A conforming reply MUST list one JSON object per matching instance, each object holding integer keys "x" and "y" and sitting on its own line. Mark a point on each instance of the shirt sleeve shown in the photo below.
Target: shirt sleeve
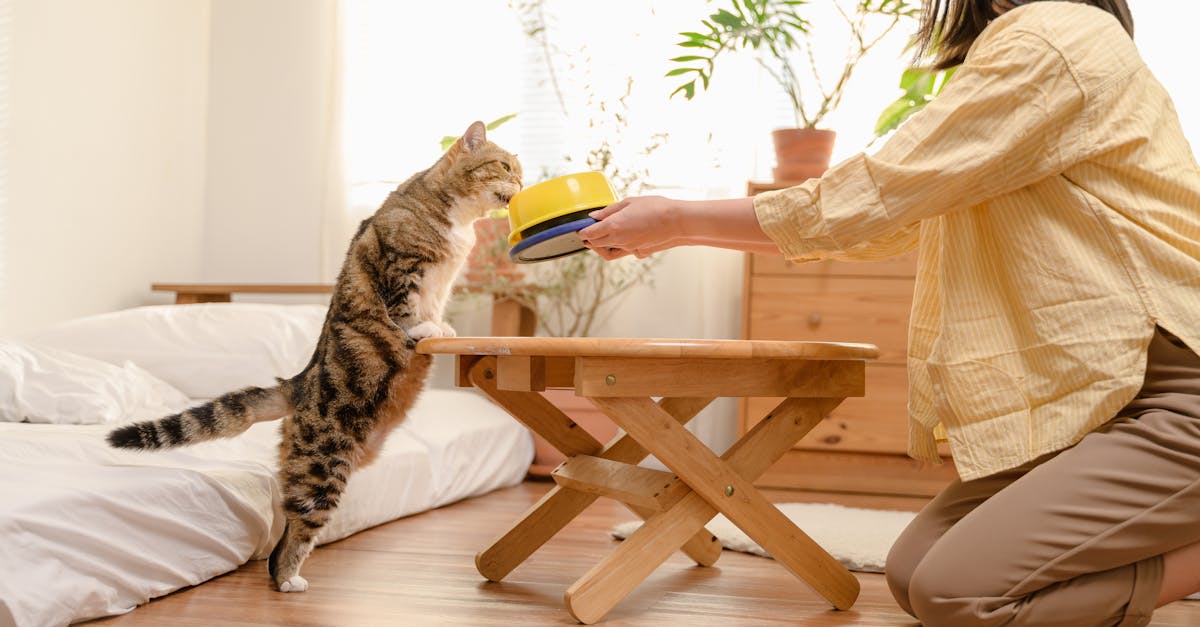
{"x": 1012, "y": 115}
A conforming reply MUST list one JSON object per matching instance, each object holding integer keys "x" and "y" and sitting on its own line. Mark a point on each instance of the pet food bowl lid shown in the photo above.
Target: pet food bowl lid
{"x": 557, "y": 241}
{"x": 556, "y": 202}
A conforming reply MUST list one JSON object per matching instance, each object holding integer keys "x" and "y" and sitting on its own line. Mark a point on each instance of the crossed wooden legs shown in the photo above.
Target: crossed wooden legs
{"x": 560, "y": 505}
{"x": 722, "y": 485}
{"x": 676, "y": 512}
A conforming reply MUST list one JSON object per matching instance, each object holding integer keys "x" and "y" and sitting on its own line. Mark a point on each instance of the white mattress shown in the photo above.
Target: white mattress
{"x": 88, "y": 531}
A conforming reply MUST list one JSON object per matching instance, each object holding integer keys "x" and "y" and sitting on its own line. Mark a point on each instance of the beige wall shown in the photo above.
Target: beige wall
{"x": 268, "y": 133}
{"x": 160, "y": 141}
{"x": 105, "y": 154}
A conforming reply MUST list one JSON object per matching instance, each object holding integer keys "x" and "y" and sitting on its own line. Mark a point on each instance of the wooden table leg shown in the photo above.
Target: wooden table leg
{"x": 560, "y": 506}
{"x": 534, "y": 411}
{"x": 594, "y": 594}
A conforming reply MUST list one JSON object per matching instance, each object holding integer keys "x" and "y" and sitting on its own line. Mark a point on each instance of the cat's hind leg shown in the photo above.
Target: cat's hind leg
{"x": 313, "y": 474}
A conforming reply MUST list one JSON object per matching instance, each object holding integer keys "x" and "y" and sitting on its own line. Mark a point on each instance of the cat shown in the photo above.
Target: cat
{"x": 365, "y": 373}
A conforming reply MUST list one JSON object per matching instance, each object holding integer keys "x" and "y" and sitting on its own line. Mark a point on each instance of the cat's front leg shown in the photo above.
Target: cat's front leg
{"x": 430, "y": 328}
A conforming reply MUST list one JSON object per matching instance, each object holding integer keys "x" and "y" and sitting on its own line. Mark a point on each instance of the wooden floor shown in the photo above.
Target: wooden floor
{"x": 421, "y": 571}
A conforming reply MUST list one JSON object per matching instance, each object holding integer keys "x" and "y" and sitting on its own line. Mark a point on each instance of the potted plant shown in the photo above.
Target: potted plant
{"x": 777, "y": 32}
{"x": 919, "y": 86}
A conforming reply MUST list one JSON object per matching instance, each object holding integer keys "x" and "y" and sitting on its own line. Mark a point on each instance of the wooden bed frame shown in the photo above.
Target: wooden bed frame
{"x": 509, "y": 318}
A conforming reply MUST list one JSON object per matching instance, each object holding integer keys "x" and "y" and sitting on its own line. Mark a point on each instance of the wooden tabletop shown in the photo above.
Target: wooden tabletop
{"x": 244, "y": 288}
{"x": 645, "y": 347}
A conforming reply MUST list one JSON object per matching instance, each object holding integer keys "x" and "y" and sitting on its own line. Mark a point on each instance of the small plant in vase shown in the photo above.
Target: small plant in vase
{"x": 572, "y": 295}
{"x": 778, "y": 34}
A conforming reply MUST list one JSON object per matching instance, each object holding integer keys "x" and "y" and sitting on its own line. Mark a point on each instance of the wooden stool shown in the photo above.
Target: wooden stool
{"x": 620, "y": 376}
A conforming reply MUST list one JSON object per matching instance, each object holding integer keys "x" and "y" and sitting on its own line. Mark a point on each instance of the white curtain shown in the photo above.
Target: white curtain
{"x": 414, "y": 72}
{"x": 1165, "y": 33}
{"x": 5, "y": 43}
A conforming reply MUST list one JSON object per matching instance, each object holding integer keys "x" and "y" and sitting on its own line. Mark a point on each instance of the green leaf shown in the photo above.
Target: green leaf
{"x": 687, "y": 58}
{"x": 921, "y": 86}
{"x": 495, "y": 124}
{"x": 892, "y": 116}
{"x": 727, "y": 19}
{"x": 681, "y": 70}
{"x": 688, "y": 89}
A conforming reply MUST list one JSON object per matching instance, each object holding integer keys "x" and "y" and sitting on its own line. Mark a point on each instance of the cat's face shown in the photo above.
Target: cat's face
{"x": 482, "y": 176}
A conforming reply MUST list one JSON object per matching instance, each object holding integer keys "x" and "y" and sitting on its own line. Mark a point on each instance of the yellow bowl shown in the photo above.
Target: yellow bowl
{"x": 557, "y": 197}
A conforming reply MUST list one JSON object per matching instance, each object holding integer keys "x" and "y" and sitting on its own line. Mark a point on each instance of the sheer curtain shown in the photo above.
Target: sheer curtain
{"x": 1165, "y": 36}
{"x": 414, "y": 72}
{"x": 5, "y": 41}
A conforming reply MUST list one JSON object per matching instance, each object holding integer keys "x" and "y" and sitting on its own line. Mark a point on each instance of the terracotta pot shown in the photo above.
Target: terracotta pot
{"x": 801, "y": 153}
{"x": 489, "y": 258}
{"x": 579, "y": 409}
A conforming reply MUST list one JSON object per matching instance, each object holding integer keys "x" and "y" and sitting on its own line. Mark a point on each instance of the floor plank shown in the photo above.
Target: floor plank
{"x": 421, "y": 571}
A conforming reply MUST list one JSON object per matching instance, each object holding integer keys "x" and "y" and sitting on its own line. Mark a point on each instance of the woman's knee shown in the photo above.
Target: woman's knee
{"x": 898, "y": 570}
{"x": 927, "y": 596}
{"x": 950, "y": 592}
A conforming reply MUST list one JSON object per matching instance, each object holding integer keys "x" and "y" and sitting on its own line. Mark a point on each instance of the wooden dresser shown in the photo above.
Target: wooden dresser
{"x": 861, "y": 448}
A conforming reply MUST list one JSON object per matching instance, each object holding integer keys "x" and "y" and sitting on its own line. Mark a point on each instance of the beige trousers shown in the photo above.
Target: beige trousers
{"x": 1072, "y": 538}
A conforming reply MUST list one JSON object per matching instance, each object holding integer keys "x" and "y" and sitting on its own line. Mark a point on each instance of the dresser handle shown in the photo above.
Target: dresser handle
{"x": 814, "y": 319}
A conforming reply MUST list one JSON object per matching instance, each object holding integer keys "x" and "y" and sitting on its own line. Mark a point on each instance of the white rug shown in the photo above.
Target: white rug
{"x": 858, "y": 538}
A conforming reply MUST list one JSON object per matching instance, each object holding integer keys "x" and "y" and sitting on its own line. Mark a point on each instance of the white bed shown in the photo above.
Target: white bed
{"x": 88, "y": 531}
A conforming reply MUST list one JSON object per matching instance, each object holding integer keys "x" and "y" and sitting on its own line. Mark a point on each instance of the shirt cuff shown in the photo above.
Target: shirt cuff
{"x": 822, "y": 218}
{"x": 788, "y": 217}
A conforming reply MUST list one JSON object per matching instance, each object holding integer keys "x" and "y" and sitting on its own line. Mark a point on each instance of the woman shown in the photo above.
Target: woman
{"x": 1055, "y": 207}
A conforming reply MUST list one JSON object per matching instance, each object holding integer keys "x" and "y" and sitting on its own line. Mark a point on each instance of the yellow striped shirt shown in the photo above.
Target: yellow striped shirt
{"x": 1055, "y": 205}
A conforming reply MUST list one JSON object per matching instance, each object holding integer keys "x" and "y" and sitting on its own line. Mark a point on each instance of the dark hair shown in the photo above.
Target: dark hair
{"x": 949, "y": 27}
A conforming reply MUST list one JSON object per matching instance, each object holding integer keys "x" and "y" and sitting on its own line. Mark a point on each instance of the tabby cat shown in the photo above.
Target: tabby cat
{"x": 365, "y": 374}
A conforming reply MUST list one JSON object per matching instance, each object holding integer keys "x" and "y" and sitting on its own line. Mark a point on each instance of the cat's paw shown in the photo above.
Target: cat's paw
{"x": 295, "y": 583}
{"x": 425, "y": 329}
{"x": 447, "y": 330}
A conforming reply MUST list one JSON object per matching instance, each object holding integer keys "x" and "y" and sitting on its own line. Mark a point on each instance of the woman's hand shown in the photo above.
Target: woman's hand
{"x": 639, "y": 226}
{"x": 644, "y": 225}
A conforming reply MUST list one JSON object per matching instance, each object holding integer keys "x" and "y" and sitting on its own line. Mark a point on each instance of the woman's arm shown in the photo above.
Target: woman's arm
{"x": 645, "y": 225}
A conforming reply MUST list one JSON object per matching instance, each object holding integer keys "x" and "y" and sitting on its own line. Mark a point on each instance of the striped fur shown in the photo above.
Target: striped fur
{"x": 364, "y": 374}
{"x": 225, "y": 416}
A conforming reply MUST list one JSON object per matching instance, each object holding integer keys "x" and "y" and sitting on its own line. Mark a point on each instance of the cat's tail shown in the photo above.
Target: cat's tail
{"x": 223, "y": 417}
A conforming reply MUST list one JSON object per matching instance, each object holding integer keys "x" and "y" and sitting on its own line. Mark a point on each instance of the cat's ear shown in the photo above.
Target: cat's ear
{"x": 474, "y": 137}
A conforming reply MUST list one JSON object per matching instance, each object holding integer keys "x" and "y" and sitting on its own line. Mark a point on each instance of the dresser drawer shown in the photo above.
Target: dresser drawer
{"x": 875, "y": 423}
{"x": 902, "y": 266}
{"x": 857, "y": 473}
{"x": 822, "y": 309}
